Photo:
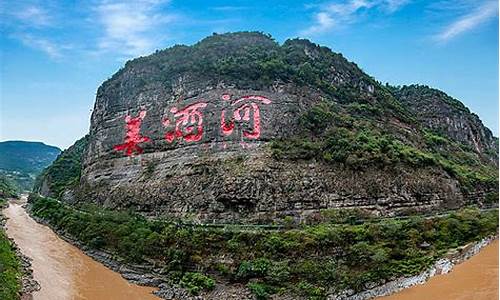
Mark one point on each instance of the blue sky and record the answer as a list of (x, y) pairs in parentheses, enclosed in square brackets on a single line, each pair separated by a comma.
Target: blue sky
[(55, 54)]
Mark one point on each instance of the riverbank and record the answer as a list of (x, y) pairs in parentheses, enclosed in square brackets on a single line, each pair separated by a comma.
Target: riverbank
[(16, 274), (146, 274), (440, 267), (476, 278), (64, 271), (142, 275), (312, 261)]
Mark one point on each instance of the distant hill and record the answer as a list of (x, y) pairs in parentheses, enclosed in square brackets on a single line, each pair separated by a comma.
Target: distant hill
[(22, 161)]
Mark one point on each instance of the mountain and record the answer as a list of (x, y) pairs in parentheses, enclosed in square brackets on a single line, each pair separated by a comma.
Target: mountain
[(22, 161), (238, 128), (449, 117), (64, 172)]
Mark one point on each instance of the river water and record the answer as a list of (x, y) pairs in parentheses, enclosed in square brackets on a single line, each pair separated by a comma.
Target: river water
[(63, 271), (474, 279)]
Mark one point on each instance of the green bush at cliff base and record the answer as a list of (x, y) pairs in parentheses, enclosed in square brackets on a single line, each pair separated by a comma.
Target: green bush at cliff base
[(196, 282), (10, 270), (261, 291), (309, 260)]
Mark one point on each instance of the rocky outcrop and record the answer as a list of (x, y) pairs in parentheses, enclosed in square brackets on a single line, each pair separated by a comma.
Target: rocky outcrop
[(257, 188), (28, 283), (187, 132), (443, 114)]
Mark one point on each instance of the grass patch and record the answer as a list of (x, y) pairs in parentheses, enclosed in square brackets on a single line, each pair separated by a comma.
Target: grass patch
[(10, 269)]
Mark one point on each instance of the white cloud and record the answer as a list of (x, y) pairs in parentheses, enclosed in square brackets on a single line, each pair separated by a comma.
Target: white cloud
[(348, 8), (131, 28), (482, 14), (125, 28), (335, 14), (394, 5), (28, 23), (34, 16), (230, 8), (51, 49), (324, 22)]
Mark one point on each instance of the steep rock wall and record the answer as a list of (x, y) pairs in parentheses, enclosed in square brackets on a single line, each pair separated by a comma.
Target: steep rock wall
[(187, 132), (228, 173)]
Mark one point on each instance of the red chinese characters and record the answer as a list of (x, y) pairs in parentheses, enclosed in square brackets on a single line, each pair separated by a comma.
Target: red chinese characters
[(188, 123), (133, 137), (245, 109)]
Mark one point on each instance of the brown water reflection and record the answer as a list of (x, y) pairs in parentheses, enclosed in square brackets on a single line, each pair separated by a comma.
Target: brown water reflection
[(474, 279), (63, 271)]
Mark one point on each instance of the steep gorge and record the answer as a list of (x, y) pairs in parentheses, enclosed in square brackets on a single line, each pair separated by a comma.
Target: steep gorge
[(238, 128)]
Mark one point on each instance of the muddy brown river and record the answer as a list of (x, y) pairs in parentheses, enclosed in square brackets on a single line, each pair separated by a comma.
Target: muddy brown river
[(474, 279), (63, 271)]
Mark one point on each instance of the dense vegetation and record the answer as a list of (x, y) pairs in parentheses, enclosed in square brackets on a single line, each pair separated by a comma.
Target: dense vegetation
[(22, 161), (332, 134), (65, 171), (310, 260), (26, 157), (10, 269), (249, 59), (253, 60), (8, 188)]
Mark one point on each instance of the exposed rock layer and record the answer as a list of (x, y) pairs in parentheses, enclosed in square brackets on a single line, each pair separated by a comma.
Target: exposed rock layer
[(186, 132)]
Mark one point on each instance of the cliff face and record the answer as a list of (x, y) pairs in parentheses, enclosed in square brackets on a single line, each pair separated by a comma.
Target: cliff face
[(448, 116), (239, 128)]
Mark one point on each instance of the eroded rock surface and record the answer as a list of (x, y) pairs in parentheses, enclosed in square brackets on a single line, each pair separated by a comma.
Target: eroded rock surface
[(187, 132)]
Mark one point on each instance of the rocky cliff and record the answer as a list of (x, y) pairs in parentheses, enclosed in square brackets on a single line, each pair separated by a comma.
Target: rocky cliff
[(448, 116), (239, 128)]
